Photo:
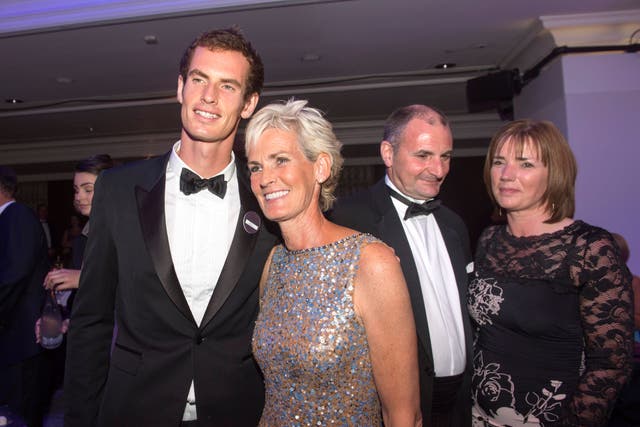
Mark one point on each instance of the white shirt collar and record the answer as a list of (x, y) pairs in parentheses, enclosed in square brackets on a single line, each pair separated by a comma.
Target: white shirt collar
[(391, 185), (6, 205), (176, 164)]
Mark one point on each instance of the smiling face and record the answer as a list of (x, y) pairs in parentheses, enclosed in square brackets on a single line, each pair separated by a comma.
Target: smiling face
[(519, 180), (213, 96), (284, 181), (83, 183), (420, 162)]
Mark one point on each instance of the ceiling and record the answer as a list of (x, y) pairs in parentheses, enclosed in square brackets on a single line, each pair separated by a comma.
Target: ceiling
[(92, 75)]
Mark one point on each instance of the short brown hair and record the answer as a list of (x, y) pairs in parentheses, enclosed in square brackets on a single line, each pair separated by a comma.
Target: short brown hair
[(553, 151), (229, 39)]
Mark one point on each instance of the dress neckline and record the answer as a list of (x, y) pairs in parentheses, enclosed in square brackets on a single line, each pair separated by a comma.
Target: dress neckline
[(325, 246), (541, 237)]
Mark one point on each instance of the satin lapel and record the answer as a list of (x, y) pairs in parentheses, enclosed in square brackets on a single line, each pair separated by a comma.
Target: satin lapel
[(154, 231), (239, 253), (391, 231)]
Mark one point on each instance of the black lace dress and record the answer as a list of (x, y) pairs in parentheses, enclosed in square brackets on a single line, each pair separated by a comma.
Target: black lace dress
[(554, 325)]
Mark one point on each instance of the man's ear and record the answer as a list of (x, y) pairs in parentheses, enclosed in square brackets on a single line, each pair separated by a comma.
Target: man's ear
[(180, 87), (250, 105), (322, 167), (386, 152)]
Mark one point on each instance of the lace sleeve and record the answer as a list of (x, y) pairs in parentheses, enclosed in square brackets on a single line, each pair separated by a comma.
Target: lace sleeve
[(607, 319)]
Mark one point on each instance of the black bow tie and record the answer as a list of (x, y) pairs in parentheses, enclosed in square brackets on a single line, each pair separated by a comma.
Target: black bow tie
[(191, 183), (413, 208)]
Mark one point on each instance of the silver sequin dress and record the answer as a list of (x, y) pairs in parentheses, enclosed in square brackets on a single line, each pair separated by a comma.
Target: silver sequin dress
[(309, 342)]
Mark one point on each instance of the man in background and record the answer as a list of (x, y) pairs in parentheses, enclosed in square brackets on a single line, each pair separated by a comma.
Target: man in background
[(433, 246), (49, 232), (24, 385)]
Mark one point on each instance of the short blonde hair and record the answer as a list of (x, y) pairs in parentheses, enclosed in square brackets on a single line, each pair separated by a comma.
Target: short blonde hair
[(314, 134)]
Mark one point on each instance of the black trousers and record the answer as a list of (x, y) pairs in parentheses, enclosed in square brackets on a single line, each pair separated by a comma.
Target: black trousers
[(26, 389), (445, 393)]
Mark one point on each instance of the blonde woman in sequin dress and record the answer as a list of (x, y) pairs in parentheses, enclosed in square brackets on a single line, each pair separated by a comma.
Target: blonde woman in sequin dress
[(335, 336)]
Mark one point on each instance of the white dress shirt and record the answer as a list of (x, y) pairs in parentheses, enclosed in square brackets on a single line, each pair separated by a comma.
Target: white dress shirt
[(200, 228), (439, 289), (6, 205)]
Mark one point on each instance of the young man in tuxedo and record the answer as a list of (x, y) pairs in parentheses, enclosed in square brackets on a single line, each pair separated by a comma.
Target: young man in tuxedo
[(175, 252), (24, 261), (433, 246)]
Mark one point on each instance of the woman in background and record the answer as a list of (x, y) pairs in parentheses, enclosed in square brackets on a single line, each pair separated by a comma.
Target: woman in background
[(335, 336), (65, 280), (550, 297), (85, 174)]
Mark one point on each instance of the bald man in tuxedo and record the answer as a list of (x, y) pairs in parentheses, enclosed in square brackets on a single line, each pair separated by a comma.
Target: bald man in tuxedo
[(432, 243)]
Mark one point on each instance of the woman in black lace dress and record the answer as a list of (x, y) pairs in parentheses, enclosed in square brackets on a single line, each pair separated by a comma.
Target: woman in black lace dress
[(550, 296)]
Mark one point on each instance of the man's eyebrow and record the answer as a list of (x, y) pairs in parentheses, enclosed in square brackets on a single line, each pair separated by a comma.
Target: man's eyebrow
[(197, 72), (233, 81)]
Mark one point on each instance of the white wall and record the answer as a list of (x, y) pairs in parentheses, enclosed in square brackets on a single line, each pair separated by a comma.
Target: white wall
[(543, 98), (603, 116), (594, 99)]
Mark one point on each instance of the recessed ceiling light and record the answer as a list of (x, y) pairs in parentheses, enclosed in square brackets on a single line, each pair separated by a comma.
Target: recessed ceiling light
[(13, 101), (445, 65), (150, 39), (310, 57)]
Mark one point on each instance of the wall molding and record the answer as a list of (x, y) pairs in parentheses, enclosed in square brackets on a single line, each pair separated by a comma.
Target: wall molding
[(467, 130)]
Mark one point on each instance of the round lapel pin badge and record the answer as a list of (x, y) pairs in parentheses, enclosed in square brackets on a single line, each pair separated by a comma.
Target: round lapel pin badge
[(251, 222)]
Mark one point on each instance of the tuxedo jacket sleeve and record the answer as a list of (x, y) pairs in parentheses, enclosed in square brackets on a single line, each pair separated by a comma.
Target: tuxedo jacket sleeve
[(128, 279), (23, 265), (372, 211)]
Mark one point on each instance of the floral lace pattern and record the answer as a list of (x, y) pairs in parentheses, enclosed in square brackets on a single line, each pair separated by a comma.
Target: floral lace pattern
[(487, 299), (538, 361)]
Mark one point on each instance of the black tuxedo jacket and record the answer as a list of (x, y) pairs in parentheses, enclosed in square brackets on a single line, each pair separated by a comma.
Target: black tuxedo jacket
[(128, 279), (24, 262), (372, 211)]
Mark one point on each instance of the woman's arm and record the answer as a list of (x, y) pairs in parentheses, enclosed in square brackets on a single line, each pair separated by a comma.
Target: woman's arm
[(607, 321), (62, 279), (382, 301)]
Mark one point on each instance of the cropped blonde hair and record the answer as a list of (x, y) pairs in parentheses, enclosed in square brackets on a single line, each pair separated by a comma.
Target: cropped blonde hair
[(314, 135)]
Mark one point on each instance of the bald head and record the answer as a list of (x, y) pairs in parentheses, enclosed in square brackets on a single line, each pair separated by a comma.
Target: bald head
[(398, 120), (416, 150)]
